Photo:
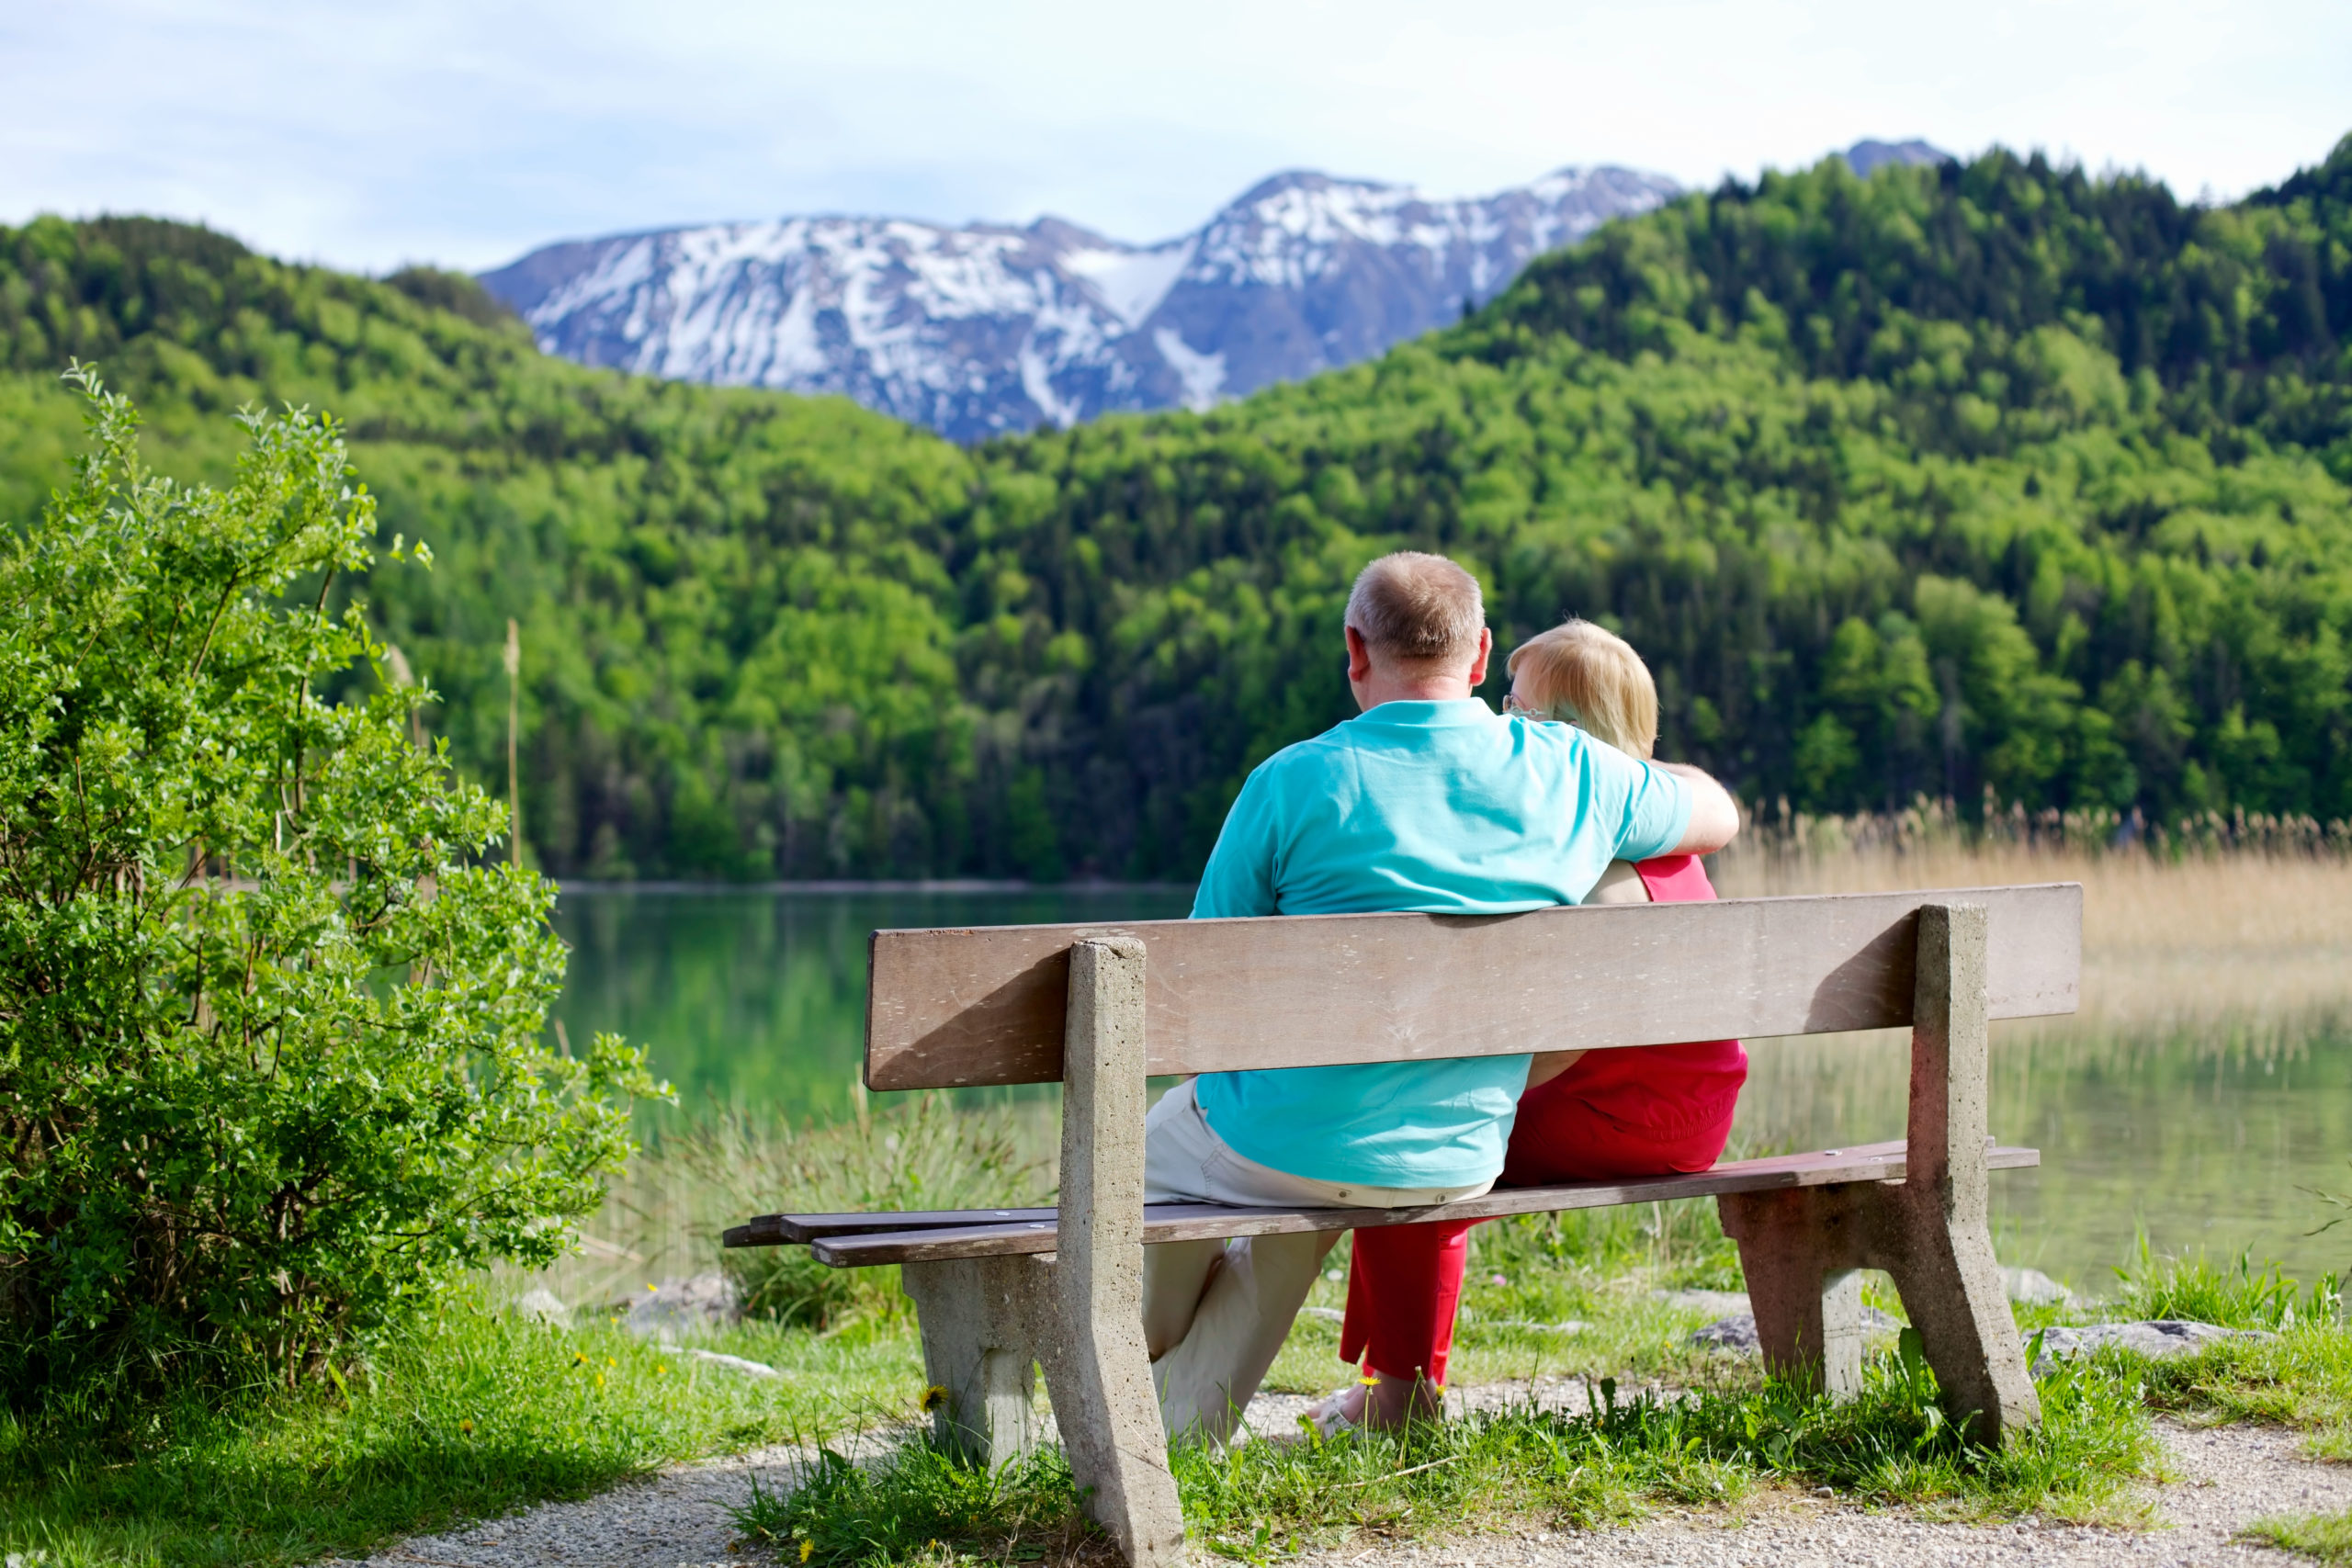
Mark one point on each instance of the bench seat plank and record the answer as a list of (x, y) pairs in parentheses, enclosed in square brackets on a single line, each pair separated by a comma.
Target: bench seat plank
[(963, 1007), (1193, 1221), (799, 1230)]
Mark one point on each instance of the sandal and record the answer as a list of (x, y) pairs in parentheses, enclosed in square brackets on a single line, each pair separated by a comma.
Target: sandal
[(1331, 1418)]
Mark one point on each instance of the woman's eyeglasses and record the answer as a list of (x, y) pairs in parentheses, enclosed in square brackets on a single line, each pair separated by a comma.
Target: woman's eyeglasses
[(1512, 705)]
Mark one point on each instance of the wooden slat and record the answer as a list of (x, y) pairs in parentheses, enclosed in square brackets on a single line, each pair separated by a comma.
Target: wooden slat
[(798, 1230), (963, 1007), (1194, 1221)]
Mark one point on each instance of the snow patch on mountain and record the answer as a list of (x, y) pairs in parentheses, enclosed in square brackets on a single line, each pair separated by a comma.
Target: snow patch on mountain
[(1132, 283), (1201, 375)]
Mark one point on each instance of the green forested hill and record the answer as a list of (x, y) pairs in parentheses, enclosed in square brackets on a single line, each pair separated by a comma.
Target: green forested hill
[(1993, 478)]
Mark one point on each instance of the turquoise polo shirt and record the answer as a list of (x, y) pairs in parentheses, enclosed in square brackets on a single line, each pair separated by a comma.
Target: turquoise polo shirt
[(1438, 807)]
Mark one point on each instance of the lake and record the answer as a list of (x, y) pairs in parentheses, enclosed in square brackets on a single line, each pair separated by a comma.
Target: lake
[(2200, 1135)]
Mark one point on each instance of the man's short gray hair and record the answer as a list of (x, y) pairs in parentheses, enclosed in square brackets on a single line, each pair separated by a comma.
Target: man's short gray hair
[(1414, 608)]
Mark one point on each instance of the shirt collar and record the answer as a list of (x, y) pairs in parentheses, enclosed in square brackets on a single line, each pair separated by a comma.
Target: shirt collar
[(1452, 714)]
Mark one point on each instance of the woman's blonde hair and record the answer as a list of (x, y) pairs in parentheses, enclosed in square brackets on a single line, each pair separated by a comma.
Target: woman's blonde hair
[(1582, 675)]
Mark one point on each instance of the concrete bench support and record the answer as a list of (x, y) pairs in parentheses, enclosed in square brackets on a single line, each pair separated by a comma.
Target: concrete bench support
[(1800, 1248), (979, 1319), (1096, 1367), (986, 1322)]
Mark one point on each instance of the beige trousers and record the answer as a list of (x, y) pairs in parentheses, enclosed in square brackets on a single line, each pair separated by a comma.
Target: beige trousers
[(1215, 1312)]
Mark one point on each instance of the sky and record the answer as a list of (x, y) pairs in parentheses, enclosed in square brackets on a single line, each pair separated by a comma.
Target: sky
[(466, 132)]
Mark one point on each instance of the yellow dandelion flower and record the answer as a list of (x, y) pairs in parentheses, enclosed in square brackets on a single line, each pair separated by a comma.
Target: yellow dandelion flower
[(610, 1362), (661, 1366), (467, 1427), (600, 1380), (807, 1548), (932, 1398)]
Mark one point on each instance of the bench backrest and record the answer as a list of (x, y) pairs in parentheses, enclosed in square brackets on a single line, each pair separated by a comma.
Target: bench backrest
[(986, 1005)]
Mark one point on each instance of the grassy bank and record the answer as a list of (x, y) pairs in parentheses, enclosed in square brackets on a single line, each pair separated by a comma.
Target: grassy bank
[(473, 1414), (1521, 1470), (482, 1410), (479, 1411)]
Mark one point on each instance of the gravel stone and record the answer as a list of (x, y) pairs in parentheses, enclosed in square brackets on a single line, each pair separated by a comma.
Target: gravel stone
[(707, 1301), (729, 1363), (2033, 1287), (1723, 1304), (1738, 1332), (543, 1304), (2157, 1337)]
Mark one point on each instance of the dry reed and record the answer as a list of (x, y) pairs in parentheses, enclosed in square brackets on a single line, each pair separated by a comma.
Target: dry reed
[(2240, 920)]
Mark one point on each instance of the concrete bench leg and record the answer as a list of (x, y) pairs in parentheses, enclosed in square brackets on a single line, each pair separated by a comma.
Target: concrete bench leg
[(1935, 1234), (978, 1344), (1930, 1231), (1096, 1366), (1799, 1249)]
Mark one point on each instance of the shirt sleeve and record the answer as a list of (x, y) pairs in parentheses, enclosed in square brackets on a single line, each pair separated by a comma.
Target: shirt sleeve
[(1239, 878), (1653, 806)]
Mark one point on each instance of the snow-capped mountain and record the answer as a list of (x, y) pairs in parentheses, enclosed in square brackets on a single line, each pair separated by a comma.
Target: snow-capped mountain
[(983, 330)]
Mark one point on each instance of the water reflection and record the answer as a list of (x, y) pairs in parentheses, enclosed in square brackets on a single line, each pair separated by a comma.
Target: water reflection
[(2200, 1134), (2203, 1136), (758, 1000)]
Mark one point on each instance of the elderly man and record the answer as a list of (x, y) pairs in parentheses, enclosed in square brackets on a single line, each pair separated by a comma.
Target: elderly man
[(1427, 801)]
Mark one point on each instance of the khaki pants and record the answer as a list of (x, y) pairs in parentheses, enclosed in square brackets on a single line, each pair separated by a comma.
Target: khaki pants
[(1215, 1312)]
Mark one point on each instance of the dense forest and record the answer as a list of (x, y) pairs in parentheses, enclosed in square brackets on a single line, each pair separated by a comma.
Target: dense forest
[(1997, 480)]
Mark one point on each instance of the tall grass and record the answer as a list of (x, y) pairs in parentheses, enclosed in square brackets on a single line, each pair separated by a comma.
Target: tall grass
[(923, 1154), (665, 1217)]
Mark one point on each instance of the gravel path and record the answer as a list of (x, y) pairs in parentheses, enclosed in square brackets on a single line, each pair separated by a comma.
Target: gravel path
[(2229, 1477), (676, 1519)]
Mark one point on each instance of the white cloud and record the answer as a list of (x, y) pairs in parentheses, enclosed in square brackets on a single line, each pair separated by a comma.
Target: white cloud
[(467, 133)]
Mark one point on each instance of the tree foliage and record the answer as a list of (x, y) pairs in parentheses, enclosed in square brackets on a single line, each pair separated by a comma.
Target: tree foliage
[(1988, 478), (270, 1054)]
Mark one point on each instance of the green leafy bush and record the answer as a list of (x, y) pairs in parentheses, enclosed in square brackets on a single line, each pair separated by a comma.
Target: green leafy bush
[(271, 1065)]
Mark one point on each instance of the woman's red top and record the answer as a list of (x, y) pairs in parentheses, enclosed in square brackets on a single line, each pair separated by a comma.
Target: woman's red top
[(1645, 1111)]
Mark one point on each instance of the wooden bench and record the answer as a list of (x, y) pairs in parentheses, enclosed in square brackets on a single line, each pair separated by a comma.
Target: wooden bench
[(1100, 1007)]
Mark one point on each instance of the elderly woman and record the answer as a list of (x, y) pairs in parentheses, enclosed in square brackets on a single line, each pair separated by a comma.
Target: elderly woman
[(1585, 1116)]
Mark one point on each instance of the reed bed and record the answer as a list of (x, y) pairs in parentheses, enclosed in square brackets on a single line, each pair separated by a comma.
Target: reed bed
[(2226, 921)]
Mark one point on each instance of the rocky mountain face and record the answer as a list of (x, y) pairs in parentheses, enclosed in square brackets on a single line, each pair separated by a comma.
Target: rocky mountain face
[(984, 330), (1867, 157)]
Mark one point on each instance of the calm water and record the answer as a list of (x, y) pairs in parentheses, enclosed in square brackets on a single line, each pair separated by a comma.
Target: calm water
[(2199, 1138)]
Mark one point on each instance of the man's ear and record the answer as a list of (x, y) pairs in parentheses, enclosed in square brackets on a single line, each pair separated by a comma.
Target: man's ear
[(1486, 651), (1359, 658)]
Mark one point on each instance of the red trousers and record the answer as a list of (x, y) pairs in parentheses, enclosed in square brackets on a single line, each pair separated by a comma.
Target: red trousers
[(1657, 1111)]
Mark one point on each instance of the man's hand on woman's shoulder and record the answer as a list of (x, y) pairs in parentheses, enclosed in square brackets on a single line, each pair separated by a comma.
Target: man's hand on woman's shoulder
[(1714, 815)]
